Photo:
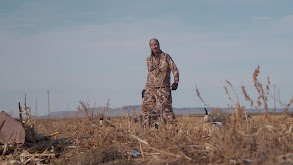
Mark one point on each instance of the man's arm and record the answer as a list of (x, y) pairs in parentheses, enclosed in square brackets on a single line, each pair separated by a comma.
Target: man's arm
[(174, 70), (148, 62)]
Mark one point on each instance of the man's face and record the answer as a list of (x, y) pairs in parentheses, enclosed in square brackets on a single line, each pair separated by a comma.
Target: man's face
[(155, 47)]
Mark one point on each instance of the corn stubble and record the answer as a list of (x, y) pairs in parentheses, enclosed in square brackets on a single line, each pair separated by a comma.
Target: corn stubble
[(265, 138)]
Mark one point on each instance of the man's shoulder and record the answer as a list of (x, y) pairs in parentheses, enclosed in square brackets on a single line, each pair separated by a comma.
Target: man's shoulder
[(166, 55), (148, 58)]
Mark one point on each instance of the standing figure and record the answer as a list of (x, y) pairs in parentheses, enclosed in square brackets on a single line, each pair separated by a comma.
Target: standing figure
[(157, 91)]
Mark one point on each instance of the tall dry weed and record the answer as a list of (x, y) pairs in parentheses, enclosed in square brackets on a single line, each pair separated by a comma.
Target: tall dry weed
[(259, 140), (194, 141)]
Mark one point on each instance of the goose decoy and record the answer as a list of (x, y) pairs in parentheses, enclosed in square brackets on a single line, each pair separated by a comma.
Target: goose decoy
[(218, 124), (219, 118), (105, 123), (207, 117), (248, 117)]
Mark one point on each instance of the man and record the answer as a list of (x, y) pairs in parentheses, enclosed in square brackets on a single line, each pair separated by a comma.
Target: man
[(157, 90)]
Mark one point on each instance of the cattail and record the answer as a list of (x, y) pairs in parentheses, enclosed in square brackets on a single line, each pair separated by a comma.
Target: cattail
[(258, 102), (268, 85), (226, 90), (245, 94), (255, 74), (198, 95), (233, 90)]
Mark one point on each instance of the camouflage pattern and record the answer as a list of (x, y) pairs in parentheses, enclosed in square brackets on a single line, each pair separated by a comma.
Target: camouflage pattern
[(159, 69), (159, 99), (158, 92)]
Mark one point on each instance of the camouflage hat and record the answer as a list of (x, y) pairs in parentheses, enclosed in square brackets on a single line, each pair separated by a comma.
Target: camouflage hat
[(154, 40)]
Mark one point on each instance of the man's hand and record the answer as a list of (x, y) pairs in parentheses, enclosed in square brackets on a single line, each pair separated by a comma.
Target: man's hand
[(174, 86), (142, 93)]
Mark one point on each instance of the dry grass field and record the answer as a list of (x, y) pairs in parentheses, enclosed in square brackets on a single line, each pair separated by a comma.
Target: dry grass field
[(261, 139), (265, 138)]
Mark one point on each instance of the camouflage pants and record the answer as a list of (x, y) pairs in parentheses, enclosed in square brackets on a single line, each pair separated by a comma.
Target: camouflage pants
[(154, 99)]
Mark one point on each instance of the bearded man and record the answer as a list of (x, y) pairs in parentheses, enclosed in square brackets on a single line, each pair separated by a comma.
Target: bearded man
[(157, 91)]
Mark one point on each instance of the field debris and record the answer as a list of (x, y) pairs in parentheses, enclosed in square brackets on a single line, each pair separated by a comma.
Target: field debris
[(266, 138), (11, 130), (285, 159), (20, 142), (103, 155)]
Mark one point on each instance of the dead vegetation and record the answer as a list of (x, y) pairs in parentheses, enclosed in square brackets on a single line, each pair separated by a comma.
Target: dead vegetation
[(263, 139), (258, 140)]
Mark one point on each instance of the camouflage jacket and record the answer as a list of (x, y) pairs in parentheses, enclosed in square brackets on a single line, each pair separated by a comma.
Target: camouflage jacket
[(159, 69)]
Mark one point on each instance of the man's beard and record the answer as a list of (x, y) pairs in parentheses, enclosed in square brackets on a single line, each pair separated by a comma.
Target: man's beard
[(156, 51)]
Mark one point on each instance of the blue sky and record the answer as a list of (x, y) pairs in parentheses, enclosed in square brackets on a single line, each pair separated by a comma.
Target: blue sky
[(96, 50)]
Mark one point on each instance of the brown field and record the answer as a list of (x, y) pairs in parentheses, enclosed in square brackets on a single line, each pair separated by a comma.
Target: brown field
[(259, 140), (265, 138)]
